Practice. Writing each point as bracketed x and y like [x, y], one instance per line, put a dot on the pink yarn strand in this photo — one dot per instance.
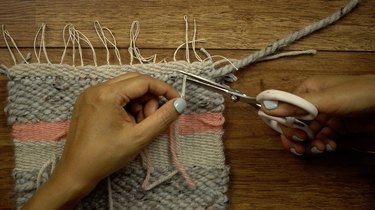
[147, 163]
[173, 148]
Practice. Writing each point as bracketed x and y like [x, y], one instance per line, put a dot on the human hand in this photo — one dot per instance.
[346, 105]
[103, 136]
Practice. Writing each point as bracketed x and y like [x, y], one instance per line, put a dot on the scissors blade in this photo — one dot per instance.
[235, 95]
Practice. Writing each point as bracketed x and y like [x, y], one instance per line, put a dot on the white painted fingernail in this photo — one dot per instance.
[329, 148]
[293, 151]
[296, 138]
[315, 151]
[270, 104]
[180, 105]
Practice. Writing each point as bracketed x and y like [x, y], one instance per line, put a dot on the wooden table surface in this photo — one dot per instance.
[263, 174]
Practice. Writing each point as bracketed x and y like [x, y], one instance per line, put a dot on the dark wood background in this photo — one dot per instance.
[263, 174]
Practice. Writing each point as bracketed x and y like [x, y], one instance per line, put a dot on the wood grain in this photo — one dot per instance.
[225, 24]
[263, 175]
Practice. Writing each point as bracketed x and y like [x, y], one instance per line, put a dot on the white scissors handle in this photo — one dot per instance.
[293, 122]
[273, 95]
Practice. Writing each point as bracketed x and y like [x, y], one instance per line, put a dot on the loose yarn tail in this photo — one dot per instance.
[148, 165]
[133, 50]
[6, 36]
[173, 149]
[42, 44]
[50, 163]
[173, 131]
[179, 167]
[4, 70]
[110, 196]
[100, 31]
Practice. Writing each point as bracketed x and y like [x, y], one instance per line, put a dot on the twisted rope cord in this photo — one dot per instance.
[275, 46]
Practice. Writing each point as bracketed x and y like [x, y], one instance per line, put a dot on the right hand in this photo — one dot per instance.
[346, 105]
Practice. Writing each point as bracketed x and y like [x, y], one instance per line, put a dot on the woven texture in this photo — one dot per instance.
[40, 103]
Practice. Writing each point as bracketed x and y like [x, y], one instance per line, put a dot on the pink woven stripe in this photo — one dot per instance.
[200, 122]
[40, 131]
[47, 131]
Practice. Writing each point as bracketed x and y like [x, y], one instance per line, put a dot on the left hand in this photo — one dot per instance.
[103, 136]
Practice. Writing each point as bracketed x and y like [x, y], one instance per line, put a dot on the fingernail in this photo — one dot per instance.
[296, 138]
[315, 151]
[179, 105]
[269, 104]
[293, 151]
[329, 148]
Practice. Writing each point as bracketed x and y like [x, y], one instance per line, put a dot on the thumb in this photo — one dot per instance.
[160, 120]
[280, 103]
[281, 109]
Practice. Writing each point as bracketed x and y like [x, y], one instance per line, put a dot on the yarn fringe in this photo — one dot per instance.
[4, 70]
[74, 40]
[222, 67]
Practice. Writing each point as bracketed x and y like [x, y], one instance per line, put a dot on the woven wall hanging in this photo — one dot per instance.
[181, 169]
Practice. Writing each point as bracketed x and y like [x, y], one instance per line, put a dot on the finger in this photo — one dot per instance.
[159, 121]
[150, 107]
[294, 134]
[127, 90]
[315, 147]
[140, 116]
[148, 102]
[331, 145]
[318, 123]
[132, 119]
[337, 126]
[143, 111]
[282, 109]
[133, 107]
[292, 146]
[326, 135]
[322, 143]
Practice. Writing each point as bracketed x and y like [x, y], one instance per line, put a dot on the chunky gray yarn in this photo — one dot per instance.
[38, 92]
[127, 193]
[48, 94]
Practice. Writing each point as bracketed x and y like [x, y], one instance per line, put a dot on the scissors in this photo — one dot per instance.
[265, 96]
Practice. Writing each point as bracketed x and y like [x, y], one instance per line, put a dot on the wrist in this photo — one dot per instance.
[71, 184]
